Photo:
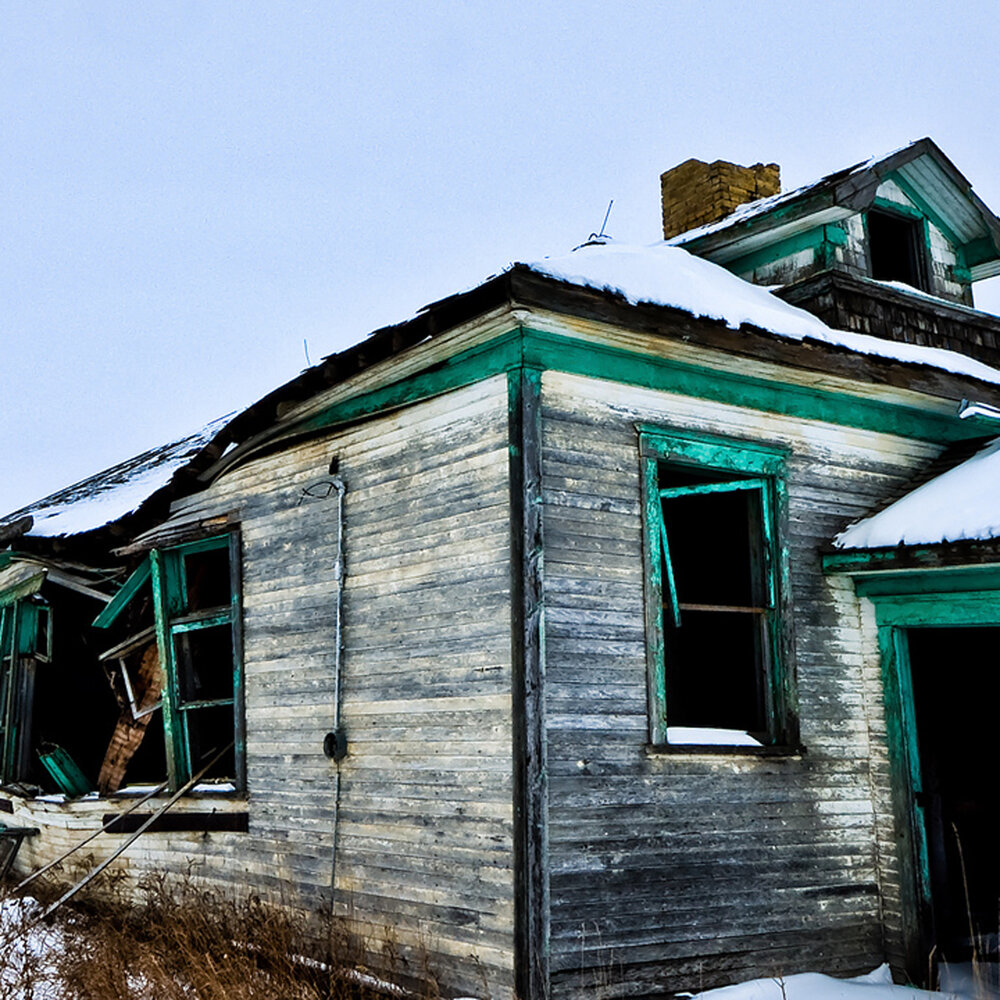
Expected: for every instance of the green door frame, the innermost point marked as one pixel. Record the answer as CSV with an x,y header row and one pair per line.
x,y
956,598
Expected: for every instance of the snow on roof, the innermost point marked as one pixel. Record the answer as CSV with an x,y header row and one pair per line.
x,y
667,275
961,503
115,492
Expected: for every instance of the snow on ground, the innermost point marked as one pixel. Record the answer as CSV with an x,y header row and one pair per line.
x,y
670,276
28,952
877,985
961,503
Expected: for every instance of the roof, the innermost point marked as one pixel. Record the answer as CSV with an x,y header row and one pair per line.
x,y
666,275
116,492
652,287
960,504
927,176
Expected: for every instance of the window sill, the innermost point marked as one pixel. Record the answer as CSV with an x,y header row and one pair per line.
x,y
716,749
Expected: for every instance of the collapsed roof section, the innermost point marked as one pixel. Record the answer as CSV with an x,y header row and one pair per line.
x,y
930,180
113,494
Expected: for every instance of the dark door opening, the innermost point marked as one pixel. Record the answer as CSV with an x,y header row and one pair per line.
x,y
956,695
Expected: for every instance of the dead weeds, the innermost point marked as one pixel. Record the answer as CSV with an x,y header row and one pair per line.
x,y
180,941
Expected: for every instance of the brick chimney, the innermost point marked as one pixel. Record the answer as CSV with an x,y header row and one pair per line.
x,y
695,193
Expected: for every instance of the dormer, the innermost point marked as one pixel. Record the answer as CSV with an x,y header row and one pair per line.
x,y
867,248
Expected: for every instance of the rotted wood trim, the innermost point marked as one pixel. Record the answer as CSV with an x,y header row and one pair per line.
x,y
531,877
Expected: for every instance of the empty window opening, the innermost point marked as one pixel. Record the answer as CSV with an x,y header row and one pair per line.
x,y
56,712
956,691
895,246
718,601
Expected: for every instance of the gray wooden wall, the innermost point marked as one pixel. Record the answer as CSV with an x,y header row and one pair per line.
x,y
685,871
424,831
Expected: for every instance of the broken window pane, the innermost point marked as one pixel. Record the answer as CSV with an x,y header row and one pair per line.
x,y
206,579
208,731
204,663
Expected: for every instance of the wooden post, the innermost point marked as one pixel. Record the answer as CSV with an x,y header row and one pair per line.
x,y
531,883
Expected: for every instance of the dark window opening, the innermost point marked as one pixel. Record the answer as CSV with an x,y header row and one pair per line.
x,y
956,691
895,246
719,599
203,660
56,711
206,580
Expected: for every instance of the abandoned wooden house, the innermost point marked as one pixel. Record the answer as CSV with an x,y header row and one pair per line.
x,y
618,625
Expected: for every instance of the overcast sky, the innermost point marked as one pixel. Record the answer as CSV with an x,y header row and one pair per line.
x,y
191,190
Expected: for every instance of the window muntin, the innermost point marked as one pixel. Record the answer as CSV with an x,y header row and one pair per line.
x,y
713,589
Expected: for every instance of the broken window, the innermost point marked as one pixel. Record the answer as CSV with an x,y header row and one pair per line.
x,y
53,710
896,248
190,667
713,586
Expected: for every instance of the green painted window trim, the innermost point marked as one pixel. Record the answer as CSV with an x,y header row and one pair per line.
x,y
164,568
718,454
126,594
20,614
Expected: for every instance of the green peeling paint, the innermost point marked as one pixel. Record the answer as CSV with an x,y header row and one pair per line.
x,y
924,209
822,240
981,251
557,352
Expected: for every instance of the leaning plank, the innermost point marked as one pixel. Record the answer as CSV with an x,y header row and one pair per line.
x,y
153,817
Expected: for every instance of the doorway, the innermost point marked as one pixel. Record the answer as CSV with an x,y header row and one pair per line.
x,y
955,677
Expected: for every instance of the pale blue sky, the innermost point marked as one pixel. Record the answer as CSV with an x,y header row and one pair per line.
x,y
187,190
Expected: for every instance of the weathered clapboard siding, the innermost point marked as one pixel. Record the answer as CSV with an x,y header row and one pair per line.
x,y
673,871
424,842
424,825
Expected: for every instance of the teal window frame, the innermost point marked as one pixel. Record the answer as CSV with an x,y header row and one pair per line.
x,y
22,610
754,466
164,569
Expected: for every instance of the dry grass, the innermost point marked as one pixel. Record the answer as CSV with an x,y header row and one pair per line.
x,y
180,942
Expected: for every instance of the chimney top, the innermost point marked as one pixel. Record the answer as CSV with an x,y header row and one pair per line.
x,y
696,193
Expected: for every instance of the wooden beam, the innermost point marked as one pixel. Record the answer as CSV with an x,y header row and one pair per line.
x,y
531,877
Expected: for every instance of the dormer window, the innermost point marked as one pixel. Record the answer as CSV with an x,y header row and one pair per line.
x,y
895,248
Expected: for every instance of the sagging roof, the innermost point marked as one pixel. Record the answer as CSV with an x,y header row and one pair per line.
x,y
114,493
652,287
926,174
